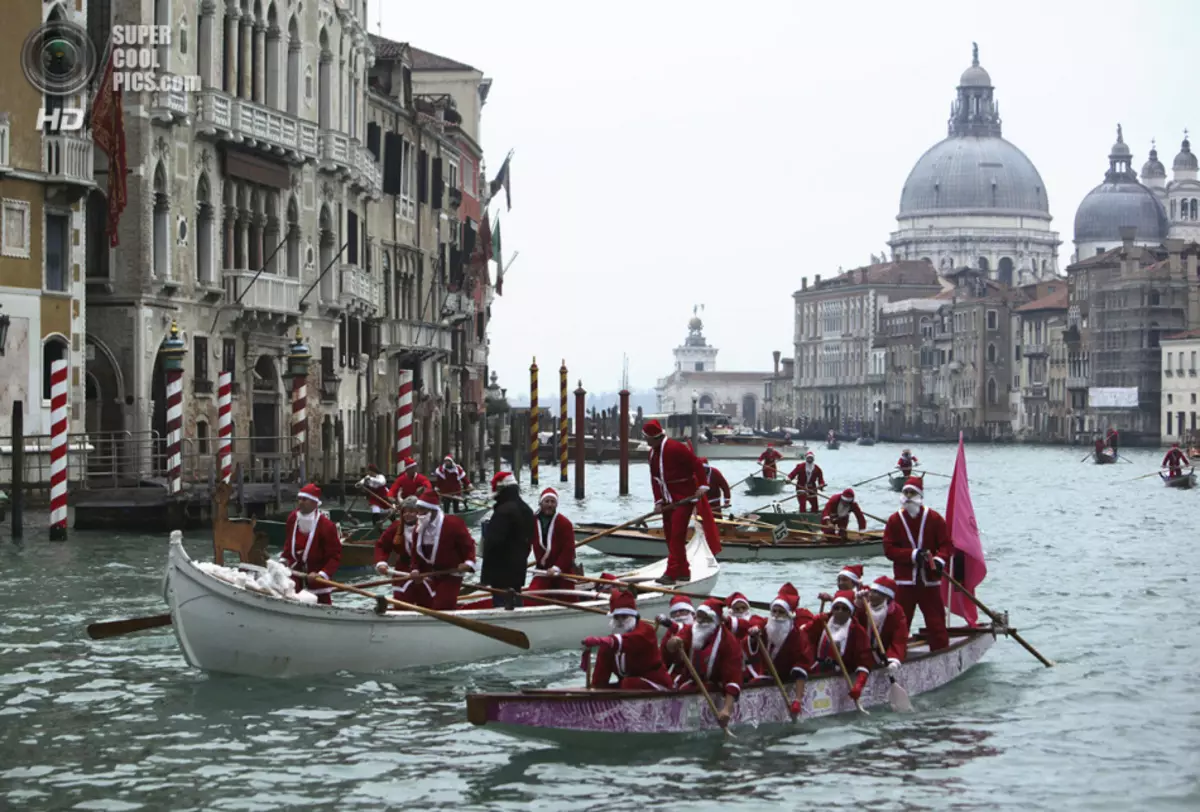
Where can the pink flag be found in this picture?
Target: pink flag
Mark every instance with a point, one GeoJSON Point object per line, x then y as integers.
{"type": "Point", "coordinates": [967, 566]}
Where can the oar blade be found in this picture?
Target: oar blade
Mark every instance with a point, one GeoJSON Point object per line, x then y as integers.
{"type": "Point", "coordinates": [116, 628]}
{"type": "Point", "coordinates": [898, 698]}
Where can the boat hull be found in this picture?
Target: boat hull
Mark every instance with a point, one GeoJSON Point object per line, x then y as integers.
{"type": "Point", "coordinates": [567, 716]}
{"type": "Point", "coordinates": [647, 546]}
{"type": "Point", "coordinates": [1104, 458]}
{"type": "Point", "coordinates": [833, 446]}
{"type": "Point", "coordinates": [761, 486]}
{"type": "Point", "coordinates": [1184, 481]}
{"type": "Point", "coordinates": [224, 628]}
{"type": "Point", "coordinates": [897, 482]}
{"type": "Point", "coordinates": [865, 441]}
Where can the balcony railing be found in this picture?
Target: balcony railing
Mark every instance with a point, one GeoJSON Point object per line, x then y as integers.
{"type": "Point", "coordinates": [1031, 350]}
{"type": "Point", "coordinates": [67, 158]}
{"type": "Point", "coordinates": [170, 104]}
{"type": "Point", "coordinates": [1077, 382]}
{"type": "Point", "coordinates": [1037, 390]}
{"type": "Point", "coordinates": [229, 117]}
{"type": "Point", "coordinates": [876, 377]}
{"type": "Point", "coordinates": [405, 333]}
{"type": "Point", "coordinates": [358, 288]}
{"type": "Point", "coordinates": [336, 150]}
{"type": "Point", "coordinates": [370, 173]}
{"type": "Point", "coordinates": [271, 293]}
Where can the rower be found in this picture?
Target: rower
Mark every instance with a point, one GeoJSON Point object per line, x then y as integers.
{"type": "Point", "coordinates": [831, 437]}
{"type": "Point", "coordinates": [719, 495]}
{"type": "Point", "coordinates": [850, 638]}
{"type": "Point", "coordinates": [1174, 461]}
{"type": "Point", "coordinates": [1113, 438]}
{"type": "Point", "coordinates": [630, 653]}
{"type": "Point", "coordinates": [410, 482]}
{"type": "Point", "coordinates": [451, 482]}
{"type": "Point", "coordinates": [809, 479]}
{"type": "Point", "coordinates": [781, 639]}
{"type": "Point", "coordinates": [553, 545]}
{"type": "Point", "coordinates": [739, 619]}
{"type": "Point", "coordinates": [682, 614]}
{"type": "Point", "coordinates": [392, 539]}
{"type": "Point", "coordinates": [849, 579]}
{"type": "Point", "coordinates": [889, 620]}
{"type": "Point", "coordinates": [835, 518]}
{"type": "Point", "coordinates": [917, 543]}
{"type": "Point", "coordinates": [436, 543]}
{"type": "Point", "coordinates": [311, 544]}
{"type": "Point", "coordinates": [715, 654]}
{"type": "Point", "coordinates": [767, 460]}
{"type": "Point", "coordinates": [1099, 445]}
{"type": "Point", "coordinates": [906, 462]}
{"type": "Point", "coordinates": [678, 481]}
{"type": "Point", "coordinates": [376, 487]}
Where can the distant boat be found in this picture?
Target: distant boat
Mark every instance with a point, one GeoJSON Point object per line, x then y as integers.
{"type": "Point", "coordinates": [864, 440]}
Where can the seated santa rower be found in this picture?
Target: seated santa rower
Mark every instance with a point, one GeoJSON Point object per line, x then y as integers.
{"type": "Point", "coordinates": [436, 543]}
{"type": "Point", "coordinates": [739, 619]}
{"type": "Point", "coordinates": [889, 620]}
{"type": "Point", "coordinates": [850, 639]}
{"type": "Point", "coordinates": [714, 653]}
{"type": "Point", "coordinates": [781, 639]}
{"type": "Point", "coordinates": [848, 580]}
{"type": "Point", "coordinates": [374, 484]}
{"type": "Point", "coordinates": [311, 544]}
{"type": "Point", "coordinates": [682, 614]}
{"type": "Point", "coordinates": [630, 653]}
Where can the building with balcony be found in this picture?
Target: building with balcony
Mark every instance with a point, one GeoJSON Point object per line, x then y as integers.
{"type": "Point", "coordinates": [1040, 366]}
{"type": "Point", "coordinates": [45, 179]}
{"type": "Point", "coordinates": [1181, 388]}
{"type": "Point", "coordinates": [903, 378]}
{"type": "Point", "coordinates": [836, 321]}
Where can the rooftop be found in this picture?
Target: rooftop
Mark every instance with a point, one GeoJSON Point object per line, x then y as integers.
{"type": "Point", "coordinates": [1051, 301]}
{"type": "Point", "coordinates": [387, 48]}
{"type": "Point", "coordinates": [903, 272]}
{"type": "Point", "coordinates": [1184, 336]}
{"type": "Point", "coordinates": [424, 60]}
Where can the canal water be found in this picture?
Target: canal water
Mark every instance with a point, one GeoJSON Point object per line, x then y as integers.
{"type": "Point", "coordinates": [1099, 572]}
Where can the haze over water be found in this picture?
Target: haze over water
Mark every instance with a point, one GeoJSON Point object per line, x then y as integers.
{"type": "Point", "coordinates": [1095, 570]}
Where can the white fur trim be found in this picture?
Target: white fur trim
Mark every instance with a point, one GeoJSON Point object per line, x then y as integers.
{"type": "Point", "coordinates": [850, 575]}
{"type": "Point", "coordinates": [836, 601]}
{"type": "Point", "coordinates": [474, 565]}
{"type": "Point", "coordinates": [309, 498]}
{"type": "Point", "coordinates": [782, 604]}
{"type": "Point", "coordinates": [706, 610]}
{"type": "Point", "coordinates": [623, 611]}
{"type": "Point", "coordinates": [883, 590]}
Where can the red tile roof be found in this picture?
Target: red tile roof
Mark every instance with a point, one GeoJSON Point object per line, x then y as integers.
{"type": "Point", "coordinates": [424, 60]}
{"type": "Point", "coordinates": [387, 48]}
{"type": "Point", "coordinates": [1186, 334]}
{"type": "Point", "coordinates": [1051, 301]}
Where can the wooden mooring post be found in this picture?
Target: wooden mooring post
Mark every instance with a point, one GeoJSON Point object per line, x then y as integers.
{"type": "Point", "coordinates": [623, 441]}
{"type": "Point", "coordinates": [18, 468]}
{"type": "Point", "coordinates": [580, 440]}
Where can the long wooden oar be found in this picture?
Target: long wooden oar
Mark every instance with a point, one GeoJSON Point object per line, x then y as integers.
{"type": "Point", "coordinates": [660, 589]}
{"type": "Point", "coordinates": [792, 705]}
{"type": "Point", "coordinates": [997, 619]}
{"type": "Point", "coordinates": [872, 479]}
{"type": "Point", "coordinates": [712, 706]}
{"type": "Point", "coordinates": [595, 610]}
{"type": "Point", "coordinates": [837, 654]}
{"type": "Point", "coordinates": [757, 468]}
{"type": "Point", "coordinates": [1143, 476]}
{"type": "Point", "coordinates": [763, 509]}
{"type": "Point", "coordinates": [401, 577]}
{"type": "Point", "coordinates": [897, 696]}
{"type": "Point", "coordinates": [116, 628]}
{"type": "Point", "coordinates": [512, 637]}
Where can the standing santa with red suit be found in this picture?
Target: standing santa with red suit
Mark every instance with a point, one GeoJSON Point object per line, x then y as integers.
{"type": "Point", "coordinates": [311, 543]}
{"type": "Point", "coordinates": [917, 542]}
{"type": "Point", "coordinates": [631, 652]}
{"type": "Point", "coordinates": [553, 547]}
{"type": "Point", "coordinates": [438, 542]}
{"type": "Point", "coordinates": [411, 482]}
{"type": "Point", "coordinates": [677, 479]}
{"type": "Point", "coordinates": [767, 460]}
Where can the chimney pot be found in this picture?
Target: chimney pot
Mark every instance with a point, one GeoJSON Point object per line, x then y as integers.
{"type": "Point", "coordinates": [816, 279]}
{"type": "Point", "coordinates": [804, 283]}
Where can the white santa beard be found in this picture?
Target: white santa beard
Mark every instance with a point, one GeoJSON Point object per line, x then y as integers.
{"type": "Point", "coordinates": [777, 631]}
{"type": "Point", "coordinates": [702, 633]}
{"type": "Point", "coordinates": [741, 613]}
{"type": "Point", "coordinates": [843, 510]}
{"type": "Point", "coordinates": [684, 618]}
{"type": "Point", "coordinates": [622, 624]}
{"type": "Point", "coordinates": [879, 615]}
{"type": "Point", "coordinates": [913, 505]}
{"type": "Point", "coordinates": [306, 521]}
{"type": "Point", "coordinates": [839, 633]}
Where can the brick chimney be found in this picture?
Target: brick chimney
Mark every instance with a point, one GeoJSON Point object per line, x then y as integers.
{"type": "Point", "coordinates": [804, 283]}
{"type": "Point", "coordinates": [816, 279]}
{"type": "Point", "coordinates": [776, 355]}
{"type": "Point", "coordinates": [1127, 236]}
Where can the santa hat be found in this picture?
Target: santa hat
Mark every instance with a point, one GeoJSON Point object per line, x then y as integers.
{"type": "Point", "coordinates": [848, 495]}
{"type": "Point", "coordinates": [550, 492]}
{"type": "Point", "coordinates": [502, 479]}
{"type": "Point", "coordinates": [853, 571]}
{"type": "Point", "coordinates": [622, 603]}
{"type": "Point", "coordinates": [914, 483]}
{"type": "Point", "coordinates": [770, 445]}
{"type": "Point", "coordinates": [409, 462]}
{"type": "Point", "coordinates": [808, 455]}
{"type": "Point", "coordinates": [310, 492]}
{"type": "Point", "coordinates": [845, 597]}
{"type": "Point", "coordinates": [734, 598]}
{"type": "Point", "coordinates": [682, 603]}
{"type": "Point", "coordinates": [885, 586]}
{"type": "Point", "coordinates": [704, 460]}
{"type": "Point", "coordinates": [428, 501]}
{"type": "Point", "coordinates": [713, 607]}
{"type": "Point", "coordinates": [448, 461]}
{"type": "Point", "coordinates": [788, 599]}
{"type": "Point", "coordinates": [652, 428]}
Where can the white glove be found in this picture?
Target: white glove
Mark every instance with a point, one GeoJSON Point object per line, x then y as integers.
{"type": "Point", "coordinates": [726, 503]}
{"type": "Point", "coordinates": [893, 666]}
{"type": "Point", "coordinates": [554, 572]}
{"type": "Point", "coordinates": [381, 568]}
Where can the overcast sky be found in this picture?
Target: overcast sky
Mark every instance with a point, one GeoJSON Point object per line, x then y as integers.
{"type": "Point", "coordinates": [680, 153]}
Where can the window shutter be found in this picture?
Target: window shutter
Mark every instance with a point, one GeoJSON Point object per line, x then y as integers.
{"type": "Point", "coordinates": [423, 176]}
{"type": "Point", "coordinates": [373, 133]}
{"type": "Point", "coordinates": [439, 187]}
{"type": "Point", "coordinates": [392, 146]}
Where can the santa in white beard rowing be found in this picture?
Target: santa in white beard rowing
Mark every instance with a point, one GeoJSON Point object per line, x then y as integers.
{"type": "Point", "coordinates": [311, 544]}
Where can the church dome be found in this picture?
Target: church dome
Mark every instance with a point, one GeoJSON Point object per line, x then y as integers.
{"type": "Point", "coordinates": [1153, 168]}
{"type": "Point", "coordinates": [1119, 202]}
{"type": "Point", "coordinates": [1185, 161]}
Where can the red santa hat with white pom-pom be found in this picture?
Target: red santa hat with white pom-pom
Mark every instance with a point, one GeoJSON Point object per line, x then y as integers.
{"type": "Point", "coordinates": [503, 479]}
{"type": "Point", "coordinates": [914, 483]}
{"type": "Point", "coordinates": [310, 492]}
{"type": "Point", "coordinates": [549, 493]}
{"type": "Point", "coordinates": [884, 586]}
{"type": "Point", "coordinates": [788, 599]}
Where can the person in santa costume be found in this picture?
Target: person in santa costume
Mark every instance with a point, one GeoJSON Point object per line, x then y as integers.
{"type": "Point", "coordinates": [850, 579]}
{"type": "Point", "coordinates": [1113, 438]}
{"type": "Point", "coordinates": [375, 486]}
{"type": "Point", "coordinates": [392, 539]}
{"type": "Point", "coordinates": [809, 479]}
{"type": "Point", "coordinates": [889, 619]}
{"type": "Point", "coordinates": [738, 617]}
{"type": "Point", "coordinates": [677, 479]}
{"type": "Point", "coordinates": [1174, 461]}
{"type": "Point", "coordinates": [917, 542]}
{"type": "Point", "coordinates": [311, 544]}
{"type": "Point", "coordinates": [714, 652]}
{"type": "Point", "coordinates": [781, 639]}
{"type": "Point", "coordinates": [768, 459]}
{"type": "Point", "coordinates": [507, 538]}
{"type": "Point", "coordinates": [630, 653]}
{"type": "Point", "coordinates": [451, 482]}
{"type": "Point", "coordinates": [719, 496]}
{"type": "Point", "coordinates": [681, 615]}
{"type": "Point", "coordinates": [906, 462]}
{"type": "Point", "coordinates": [835, 518]}
{"type": "Point", "coordinates": [553, 546]}
{"type": "Point", "coordinates": [436, 543]}
{"type": "Point", "coordinates": [411, 482]}
{"type": "Point", "coordinates": [839, 628]}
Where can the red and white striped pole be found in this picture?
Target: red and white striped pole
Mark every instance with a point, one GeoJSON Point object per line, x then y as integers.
{"type": "Point", "coordinates": [298, 360]}
{"type": "Point", "coordinates": [58, 451]}
{"type": "Point", "coordinates": [404, 418]}
{"type": "Point", "coordinates": [225, 425]}
{"type": "Point", "coordinates": [173, 350]}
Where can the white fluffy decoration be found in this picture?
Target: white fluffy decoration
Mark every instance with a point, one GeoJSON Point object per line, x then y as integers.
{"type": "Point", "coordinates": [276, 581]}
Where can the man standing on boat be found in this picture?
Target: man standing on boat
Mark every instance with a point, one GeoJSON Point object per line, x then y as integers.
{"type": "Point", "coordinates": [781, 639]}
{"type": "Point", "coordinates": [839, 628]}
{"type": "Point", "coordinates": [311, 544]}
{"type": "Point", "coordinates": [835, 518]}
{"type": "Point", "coordinates": [677, 479]}
{"type": "Point", "coordinates": [889, 619]}
{"type": "Point", "coordinates": [1113, 439]}
{"type": "Point", "coordinates": [719, 495]}
{"type": "Point", "coordinates": [809, 479]}
{"type": "Point", "coordinates": [631, 652]}
{"type": "Point", "coordinates": [375, 486]}
{"type": "Point", "coordinates": [506, 541]}
{"type": "Point", "coordinates": [411, 482]}
{"type": "Point", "coordinates": [451, 482]}
{"type": "Point", "coordinates": [917, 542]}
{"type": "Point", "coordinates": [437, 543]}
{"type": "Point", "coordinates": [1174, 461]}
{"type": "Point", "coordinates": [906, 462]}
{"type": "Point", "coordinates": [553, 546]}
{"type": "Point", "coordinates": [714, 652]}
{"type": "Point", "coordinates": [767, 460]}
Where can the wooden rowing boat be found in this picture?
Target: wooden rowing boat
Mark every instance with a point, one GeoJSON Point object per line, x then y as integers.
{"type": "Point", "coordinates": [793, 521]}
{"type": "Point", "coordinates": [1183, 481]}
{"type": "Point", "coordinates": [737, 544]}
{"type": "Point", "coordinates": [1105, 457]}
{"type": "Point", "coordinates": [896, 481]}
{"type": "Point", "coordinates": [575, 715]}
{"type": "Point", "coordinates": [865, 441]}
{"type": "Point", "coordinates": [227, 628]}
{"type": "Point", "coordinates": [833, 445]}
{"type": "Point", "coordinates": [762, 486]}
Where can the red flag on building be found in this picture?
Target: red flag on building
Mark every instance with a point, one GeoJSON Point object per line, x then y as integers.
{"type": "Point", "coordinates": [968, 566]}
{"type": "Point", "coordinates": [484, 242]}
{"type": "Point", "coordinates": [108, 133]}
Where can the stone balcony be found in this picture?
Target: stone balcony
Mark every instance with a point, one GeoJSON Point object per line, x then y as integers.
{"type": "Point", "coordinates": [170, 105]}
{"type": "Point", "coordinates": [1035, 350]}
{"type": "Point", "coordinates": [229, 118]}
{"type": "Point", "coordinates": [271, 294]}
{"type": "Point", "coordinates": [368, 175]}
{"type": "Point", "coordinates": [876, 378]}
{"type": "Point", "coordinates": [67, 159]}
{"type": "Point", "coordinates": [416, 335]}
{"type": "Point", "coordinates": [359, 291]}
{"type": "Point", "coordinates": [1037, 391]}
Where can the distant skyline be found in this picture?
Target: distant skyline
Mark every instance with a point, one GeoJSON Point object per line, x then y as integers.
{"type": "Point", "coordinates": [720, 156]}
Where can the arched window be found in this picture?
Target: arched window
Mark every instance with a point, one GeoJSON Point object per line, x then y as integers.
{"type": "Point", "coordinates": [162, 230]}
{"type": "Point", "coordinates": [325, 84]}
{"type": "Point", "coordinates": [991, 391]}
{"type": "Point", "coordinates": [1195, 208]}
{"type": "Point", "coordinates": [983, 264]}
{"type": "Point", "coordinates": [706, 403]}
{"type": "Point", "coordinates": [991, 353]}
{"type": "Point", "coordinates": [293, 69]}
{"type": "Point", "coordinates": [54, 349]}
{"type": "Point", "coordinates": [1005, 277]}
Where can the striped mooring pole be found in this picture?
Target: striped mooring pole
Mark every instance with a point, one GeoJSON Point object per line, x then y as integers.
{"type": "Point", "coordinates": [173, 350]}
{"type": "Point", "coordinates": [404, 418]}
{"type": "Point", "coordinates": [564, 438]}
{"type": "Point", "coordinates": [533, 423]}
{"type": "Point", "coordinates": [58, 451]}
{"type": "Point", "coordinates": [225, 425]}
{"type": "Point", "coordinates": [299, 357]}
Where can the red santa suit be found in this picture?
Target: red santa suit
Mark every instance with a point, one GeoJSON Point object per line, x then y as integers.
{"type": "Point", "coordinates": [719, 661]}
{"type": "Point", "coordinates": [675, 475]}
{"type": "Point", "coordinates": [375, 486]}
{"type": "Point", "coordinates": [410, 483]}
{"type": "Point", "coordinates": [791, 653]}
{"type": "Point", "coordinates": [906, 540]}
{"type": "Point", "coordinates": [673, 628]}
{"type": "Point", "coordinates": [441, 543]}
{"type": "Point", "coordinates": [767, 460]}
{"type": "Point", "coordinates": [554, 551]}
{"type": "Point", "coordinates": [633, 657]}
{"type": "Point", "coordinates": [450, 480]}
{"type": "Point", "coordinates": [1174, 461]}
{"type": "Point", "coordinates": [851, 641]}
{"type": "Point", "coordinates": [836, 515]}
{"type": "Point", "coordinates": [718, 489]}
{"type": "Point", "coordinates": [809, 477]}
{"type": "Point", "coordinates": [905, 464]}
{"type": "Point", "coordinates": [890, 621]}
{"type": "Point", "coordinates": [317, 551]}
{"type": "Point", "coordinates": [740, 626]}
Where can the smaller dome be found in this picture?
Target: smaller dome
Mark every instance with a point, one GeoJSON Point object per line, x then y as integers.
{"type": "Point", "coordinates": [975, 76]}
{"type": "Point", "coordinates": [695, 324]}
{"type": "Point", "coordinates": [1153, 168]}
{"type": "Point", "coordinates": [1185, 161]}
{"type": "Point", "coordinates": [1120, 149]}
{"type": "Point", "coordinates": [1111, 206]}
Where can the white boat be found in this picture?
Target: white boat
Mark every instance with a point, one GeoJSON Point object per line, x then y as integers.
{"type": "Point", "coordinates": [226, 628]}
{"type": "Point", "coordinates": [756, 546]}
{"type": "Point", "coordinates": [733, 450]}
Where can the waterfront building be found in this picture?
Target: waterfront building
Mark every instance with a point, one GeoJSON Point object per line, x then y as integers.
{"type": "Point", "coordinates": [734, 394]}
{"type": "Point", "coordinates": [907, 376]}
{"type": "Point", "coordinates": [779, 401]}
{"type": "Point", "coordinates": [1041, 366]}
{"type": "Point", "coordinates": [1180, 375]}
